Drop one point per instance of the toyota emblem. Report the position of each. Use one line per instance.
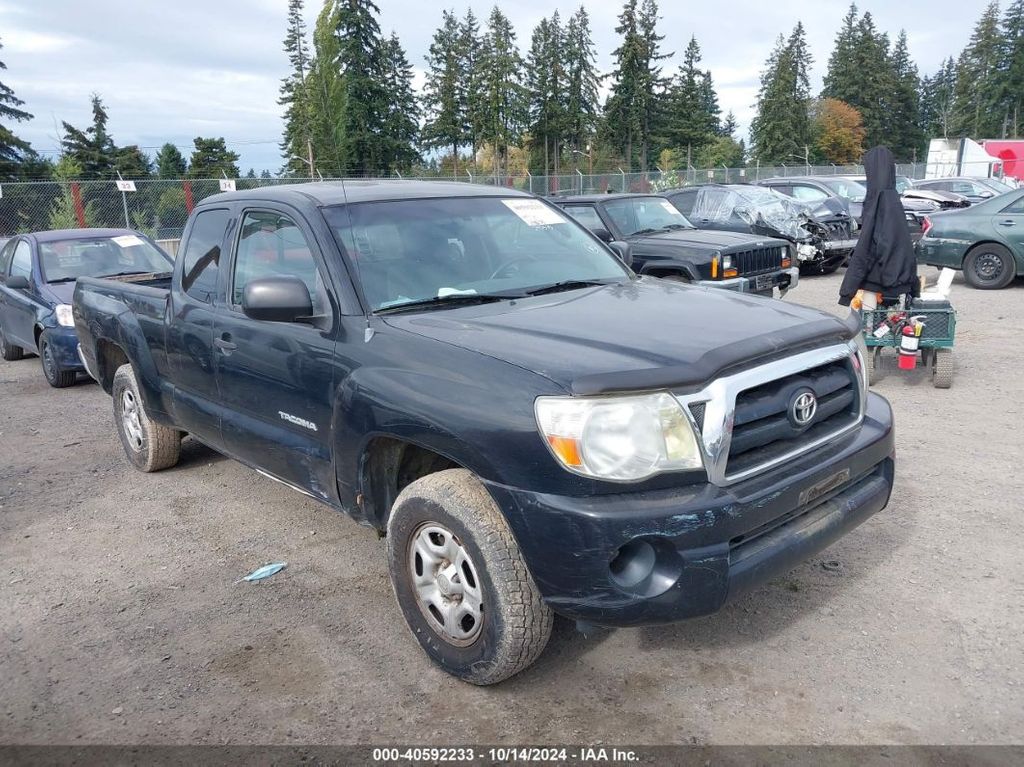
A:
(802, 408)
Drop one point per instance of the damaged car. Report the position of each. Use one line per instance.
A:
(823, 236)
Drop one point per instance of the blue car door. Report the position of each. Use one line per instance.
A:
(21, 305)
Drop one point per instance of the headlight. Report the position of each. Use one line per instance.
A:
(625, 438)
(726, 262)
(64, 315)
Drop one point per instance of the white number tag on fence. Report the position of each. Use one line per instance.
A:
(125, 186)
(227, 185)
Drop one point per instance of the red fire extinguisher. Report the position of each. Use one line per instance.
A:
(910, 342)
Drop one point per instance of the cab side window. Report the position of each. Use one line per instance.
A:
(272, 245)
(201, 259)
(586, 215)
(5, 257)
(21, 263)
(808, 193)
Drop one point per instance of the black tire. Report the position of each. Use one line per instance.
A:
(57, 378)
(514, 624)
(989, 267)
(942, 368)
(9, 352)
(149, 446)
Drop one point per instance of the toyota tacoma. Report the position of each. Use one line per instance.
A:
(532, 427)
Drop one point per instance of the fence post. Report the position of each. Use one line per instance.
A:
(530, 177)
(623, 174)
(76, 197)
(581, 179)
(470, 175)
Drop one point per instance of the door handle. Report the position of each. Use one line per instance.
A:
(225, 344)
(1008, 222)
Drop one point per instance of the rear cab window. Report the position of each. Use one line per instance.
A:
(200, 268)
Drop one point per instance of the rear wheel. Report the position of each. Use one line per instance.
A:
(989, 267)
(461, 581)
(149, 446)
(9, 351)
(57, 378)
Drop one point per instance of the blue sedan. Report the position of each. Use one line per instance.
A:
(37, 279)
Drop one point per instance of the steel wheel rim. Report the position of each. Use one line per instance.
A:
(989, 267)
(446, 584)
(49, 366)
(130, 421)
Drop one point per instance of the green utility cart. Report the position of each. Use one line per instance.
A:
(936, 339)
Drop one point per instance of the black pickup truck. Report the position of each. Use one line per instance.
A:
(533, 427)
(665, 244)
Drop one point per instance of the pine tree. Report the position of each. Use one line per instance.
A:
(582, 81)
(504, 96)
(170, 163)
(92, 149)
(905, 137)
(297, 139)
(471, 57)
(444, 91)
(1013, 68)
(729, 125)
(13, 150)
(781, 129)
(212, 159)
(842, 80)
(546, 86)
(937, 95)
(361, 62)
(132, 162)
(325, 94)
(400, 125)
(692, 107)
(977, 108)
(653, 84)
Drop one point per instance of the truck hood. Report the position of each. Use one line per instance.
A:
(702, 238)
(645, 334)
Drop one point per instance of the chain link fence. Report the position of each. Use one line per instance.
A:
(159, 207)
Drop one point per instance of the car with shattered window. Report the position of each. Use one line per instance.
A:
(823, 237)
(532, 428)
(665, 244)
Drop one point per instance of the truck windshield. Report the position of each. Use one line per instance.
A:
(411, 251)
(640, 215)
(847, 189)
(67, 260)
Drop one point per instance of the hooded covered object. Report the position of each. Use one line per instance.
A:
(884, 260)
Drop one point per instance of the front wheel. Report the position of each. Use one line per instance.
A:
(57, 378)
(989, 267)
(149, 446)
(461, 581)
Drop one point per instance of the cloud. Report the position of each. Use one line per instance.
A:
(172, 71)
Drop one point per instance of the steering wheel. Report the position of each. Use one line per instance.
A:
(499, 272)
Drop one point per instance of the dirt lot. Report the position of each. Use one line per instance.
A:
(121, 620)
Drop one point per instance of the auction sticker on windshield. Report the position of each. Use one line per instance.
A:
(534, 212)
(127, 240)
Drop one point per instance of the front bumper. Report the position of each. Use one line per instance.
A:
(703, 544)
(64, 343)
(784, 279)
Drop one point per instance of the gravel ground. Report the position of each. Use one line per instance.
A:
(121, 620)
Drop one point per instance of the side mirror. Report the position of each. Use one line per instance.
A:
(602, 234)
(986, 194)
(623, 250)
(17, 282)
(277, 299)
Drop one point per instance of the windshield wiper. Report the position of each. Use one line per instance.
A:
(128, 274)
(558, 287)
(455, 299)
(673, 227)
(60, 280)
(648, 230)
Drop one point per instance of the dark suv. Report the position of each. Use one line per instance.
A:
(665, 244)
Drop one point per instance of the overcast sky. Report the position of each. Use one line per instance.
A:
(170, 71)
